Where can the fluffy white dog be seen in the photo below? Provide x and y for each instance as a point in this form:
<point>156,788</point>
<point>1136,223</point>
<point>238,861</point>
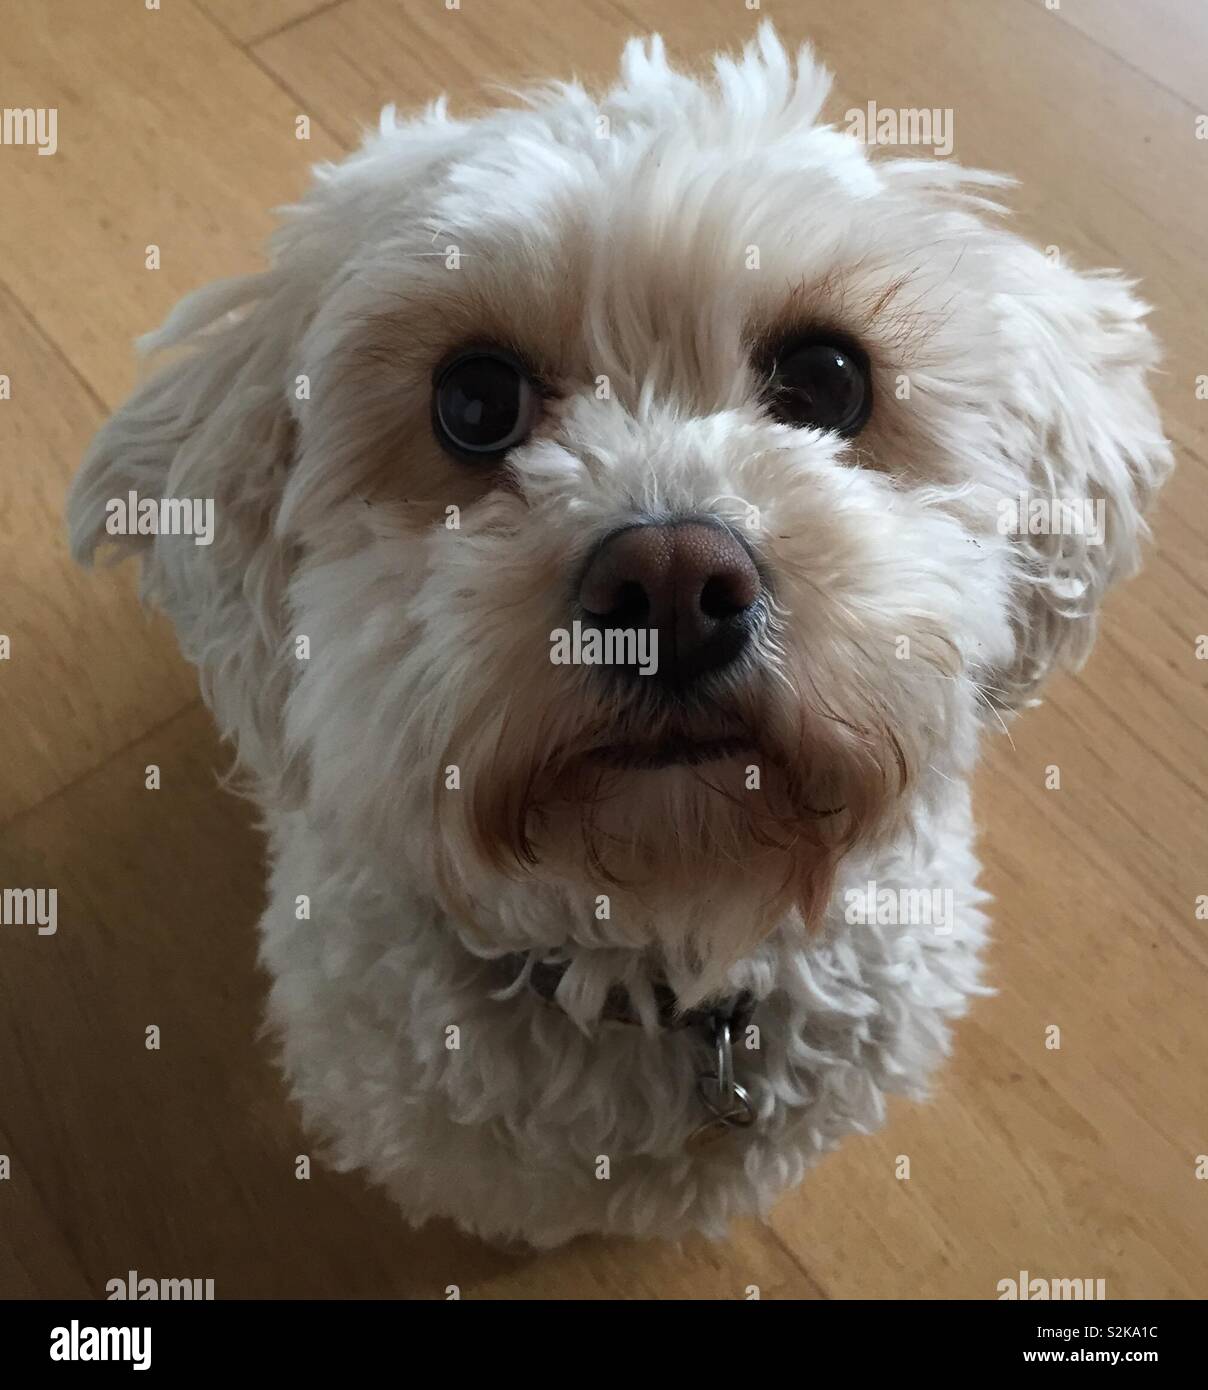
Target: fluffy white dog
<point>681,377</point>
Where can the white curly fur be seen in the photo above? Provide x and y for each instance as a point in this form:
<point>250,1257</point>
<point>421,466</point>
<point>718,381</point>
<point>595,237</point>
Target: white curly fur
<point>621,249</point>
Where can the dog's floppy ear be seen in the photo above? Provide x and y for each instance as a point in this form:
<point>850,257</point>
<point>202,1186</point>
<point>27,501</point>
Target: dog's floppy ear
<point>217,423</point>
<point>212,426</point>
<point>1078,426</point>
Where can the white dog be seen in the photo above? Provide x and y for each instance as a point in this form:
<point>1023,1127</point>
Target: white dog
<point>681,379</point>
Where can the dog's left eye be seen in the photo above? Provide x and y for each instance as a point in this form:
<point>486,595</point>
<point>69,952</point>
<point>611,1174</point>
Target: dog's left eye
<point>484,403</point>
<point>822,383</point>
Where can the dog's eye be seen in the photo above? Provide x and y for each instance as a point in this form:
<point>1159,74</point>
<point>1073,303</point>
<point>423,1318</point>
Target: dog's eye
<point>822,383</point>
<point>484,404</point>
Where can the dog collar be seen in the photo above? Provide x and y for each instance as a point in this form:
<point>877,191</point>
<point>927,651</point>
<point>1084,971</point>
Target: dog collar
<point>546,975</point>
<point>727,1104</point>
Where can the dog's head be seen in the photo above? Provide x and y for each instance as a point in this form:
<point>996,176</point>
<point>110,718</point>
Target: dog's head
<point>678,379</point>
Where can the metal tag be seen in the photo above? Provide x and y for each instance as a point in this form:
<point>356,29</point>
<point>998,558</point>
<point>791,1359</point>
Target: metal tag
<point>727,1102</point>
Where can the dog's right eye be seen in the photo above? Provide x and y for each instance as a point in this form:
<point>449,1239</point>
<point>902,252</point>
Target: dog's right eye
<point>484,403</point>
<point>822,382</point>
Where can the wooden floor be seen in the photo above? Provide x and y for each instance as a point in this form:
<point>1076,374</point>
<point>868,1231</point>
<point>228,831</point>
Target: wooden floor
<point>177,128</point>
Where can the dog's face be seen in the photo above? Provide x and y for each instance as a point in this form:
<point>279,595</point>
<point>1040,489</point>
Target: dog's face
<point>680,364</point>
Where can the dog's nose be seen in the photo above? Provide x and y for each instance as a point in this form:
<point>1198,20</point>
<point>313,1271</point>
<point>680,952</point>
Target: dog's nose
<point>693,581</point>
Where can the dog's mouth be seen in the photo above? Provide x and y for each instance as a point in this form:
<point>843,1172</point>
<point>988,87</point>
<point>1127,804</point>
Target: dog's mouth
<point>677,750</point>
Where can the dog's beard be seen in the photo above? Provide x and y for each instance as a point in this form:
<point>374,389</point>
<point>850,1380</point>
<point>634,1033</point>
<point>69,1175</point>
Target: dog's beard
<point>696,830</point>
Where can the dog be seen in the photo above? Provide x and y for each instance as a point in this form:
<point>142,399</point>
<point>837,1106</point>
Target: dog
<point>623,534</point>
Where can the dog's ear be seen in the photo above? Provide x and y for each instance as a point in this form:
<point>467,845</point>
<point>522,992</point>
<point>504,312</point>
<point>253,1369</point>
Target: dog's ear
<point>1077,424</point>
<point>212,425</point>
<point>218,423</point>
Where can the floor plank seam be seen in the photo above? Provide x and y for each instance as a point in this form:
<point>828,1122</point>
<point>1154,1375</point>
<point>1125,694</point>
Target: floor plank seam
<point>22,815</point>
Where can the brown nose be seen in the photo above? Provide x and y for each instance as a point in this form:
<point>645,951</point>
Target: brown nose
<point>692,581</point>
